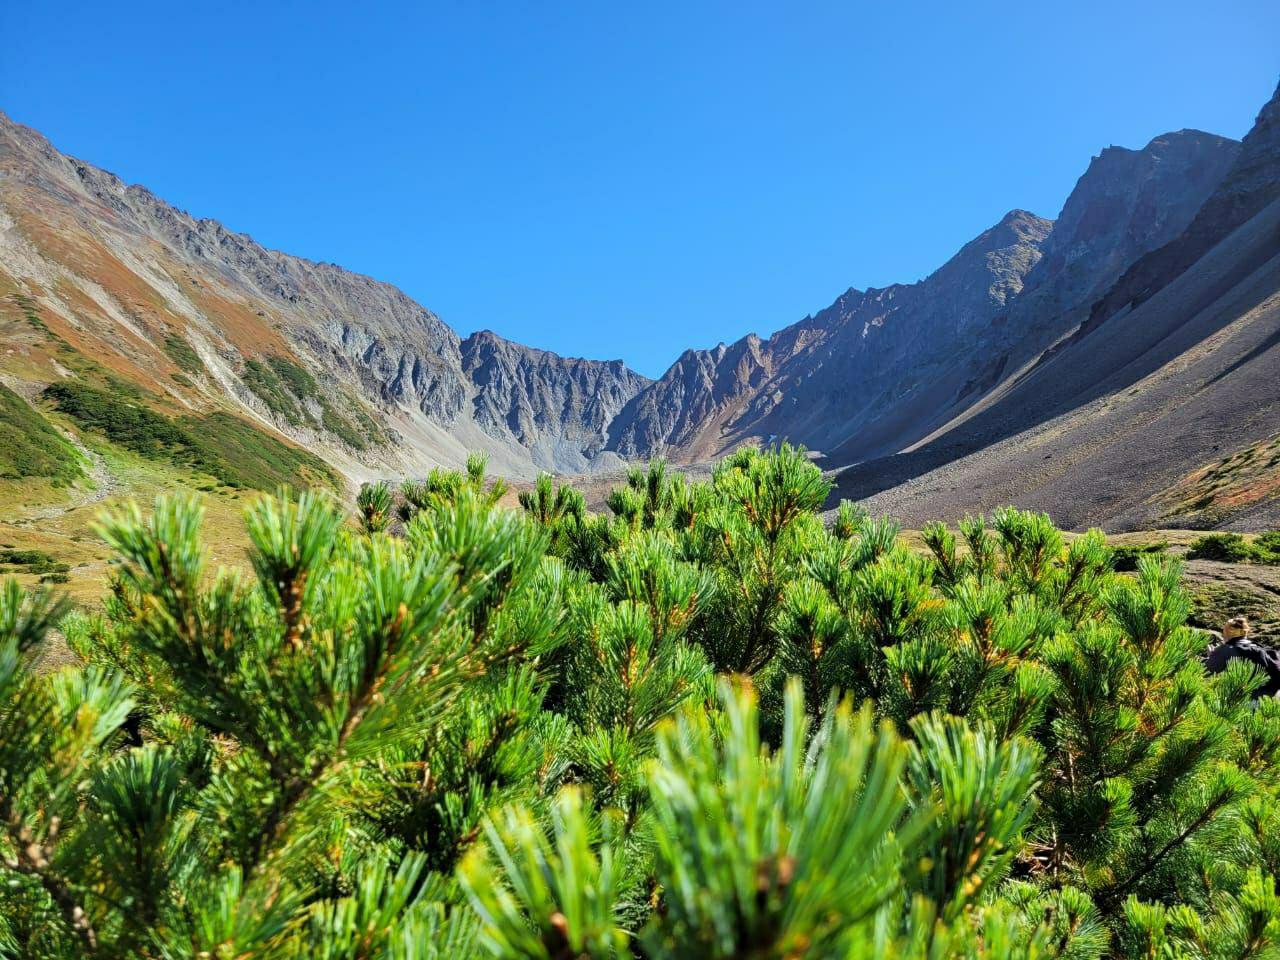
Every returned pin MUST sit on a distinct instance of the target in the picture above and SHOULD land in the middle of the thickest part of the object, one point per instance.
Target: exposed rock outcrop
(126, 270)
(878, 372)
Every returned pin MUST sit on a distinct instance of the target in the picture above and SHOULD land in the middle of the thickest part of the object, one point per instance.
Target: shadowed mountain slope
(880, 369)
(1162, 407)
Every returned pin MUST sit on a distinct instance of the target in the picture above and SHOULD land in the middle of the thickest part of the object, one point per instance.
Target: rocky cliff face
(558, 408)
(1127, 203)
(123, 271)
(121, 274)
(1249, 186)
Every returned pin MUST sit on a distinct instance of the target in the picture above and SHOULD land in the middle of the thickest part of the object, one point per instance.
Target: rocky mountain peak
(872, 372)
(1250, 183)
(1126, 203)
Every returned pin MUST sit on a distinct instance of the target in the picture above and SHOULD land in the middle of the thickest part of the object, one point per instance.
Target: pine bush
(700, 725)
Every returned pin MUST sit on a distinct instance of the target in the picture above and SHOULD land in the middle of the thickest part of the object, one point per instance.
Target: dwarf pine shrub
(701, 725)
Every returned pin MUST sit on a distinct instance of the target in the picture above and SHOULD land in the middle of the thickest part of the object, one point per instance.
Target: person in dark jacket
(1236, 645)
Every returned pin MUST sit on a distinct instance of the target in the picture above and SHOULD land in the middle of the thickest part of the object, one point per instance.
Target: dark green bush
(1124, 559)
(36, 562)
(1267, 547)
(1224, 547)
(1233, 548)
(183, 354)
(25, 558)
(30, 446)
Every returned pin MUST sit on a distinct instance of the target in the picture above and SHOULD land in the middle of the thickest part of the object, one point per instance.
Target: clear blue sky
(625, 180)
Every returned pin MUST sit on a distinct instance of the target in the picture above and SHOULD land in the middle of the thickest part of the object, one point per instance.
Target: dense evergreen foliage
(700, 726)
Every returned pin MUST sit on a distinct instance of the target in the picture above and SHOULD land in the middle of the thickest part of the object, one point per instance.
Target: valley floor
(51, 530)
(58, 524)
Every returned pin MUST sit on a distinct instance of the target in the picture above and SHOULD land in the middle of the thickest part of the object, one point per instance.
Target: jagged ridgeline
(1114, 365)
(702, 724)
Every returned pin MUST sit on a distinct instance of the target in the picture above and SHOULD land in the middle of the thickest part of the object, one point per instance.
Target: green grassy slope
(30, 446)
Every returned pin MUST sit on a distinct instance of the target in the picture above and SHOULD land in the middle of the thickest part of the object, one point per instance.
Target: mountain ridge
(120, 273)
(394, 357)
(1161, 406)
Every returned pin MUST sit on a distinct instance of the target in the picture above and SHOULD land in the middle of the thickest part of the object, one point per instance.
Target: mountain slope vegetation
(29, 446)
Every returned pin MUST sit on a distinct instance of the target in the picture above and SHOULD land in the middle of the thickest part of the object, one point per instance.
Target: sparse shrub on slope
(184, 356)
(1234, 548)
(1224, 547)
(701, 726)
(1124, 559)
(231, 450)
(289, 391)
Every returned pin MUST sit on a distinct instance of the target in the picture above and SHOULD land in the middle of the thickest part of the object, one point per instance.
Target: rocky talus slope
(1051, 339)
(1161, 407)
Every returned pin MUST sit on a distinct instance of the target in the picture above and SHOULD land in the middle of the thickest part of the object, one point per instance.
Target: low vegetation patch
(296, 378)
(37, 563)
(30, 446)
(290, 392)
(267, 386)
(1234, 548)
(357, 430)
(234, 452)
(240, 455)
(184, 356)
(29, 312)
(1213, 604)
(1124, 559)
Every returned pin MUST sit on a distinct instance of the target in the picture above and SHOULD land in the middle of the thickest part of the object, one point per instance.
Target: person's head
(1236, 628)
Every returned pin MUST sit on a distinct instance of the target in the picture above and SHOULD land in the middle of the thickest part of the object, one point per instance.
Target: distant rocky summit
(1021, 326)
(1158, 404)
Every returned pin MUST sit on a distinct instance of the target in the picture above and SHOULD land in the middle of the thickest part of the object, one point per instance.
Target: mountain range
(1119, 364)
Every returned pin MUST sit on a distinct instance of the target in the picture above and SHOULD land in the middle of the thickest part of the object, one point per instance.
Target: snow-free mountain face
(120, 274)
(1159, 407)
(355, 371)
(880, 369)
(818, 381)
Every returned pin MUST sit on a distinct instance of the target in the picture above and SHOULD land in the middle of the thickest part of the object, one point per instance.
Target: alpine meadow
(834, 513)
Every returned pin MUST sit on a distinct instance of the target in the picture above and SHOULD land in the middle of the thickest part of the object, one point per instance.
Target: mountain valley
(1116, 365)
